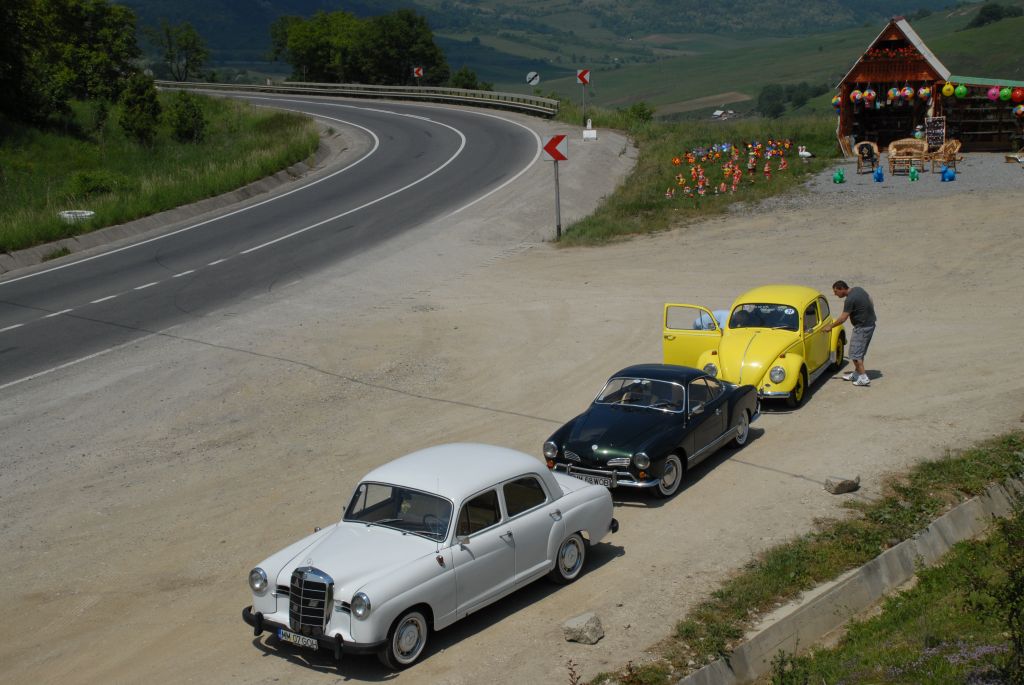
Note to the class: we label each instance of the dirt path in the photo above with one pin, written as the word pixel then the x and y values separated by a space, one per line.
pixel 138 488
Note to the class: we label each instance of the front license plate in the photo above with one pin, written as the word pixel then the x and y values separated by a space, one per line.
pixel 594 480
pixel 300 640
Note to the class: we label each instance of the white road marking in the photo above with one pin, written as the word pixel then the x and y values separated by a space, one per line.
pixel 143 287
pixel 11 328
pixel 103 299
pixel 184 273
pixel 217 261
pixel 63 311
pixel 79 360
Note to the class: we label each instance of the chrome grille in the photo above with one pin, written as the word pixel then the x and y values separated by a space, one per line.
pixel 572 456
pixel 619 461
pixel 283 591
pixel 309 601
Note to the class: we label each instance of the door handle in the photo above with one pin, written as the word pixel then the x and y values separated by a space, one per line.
pixel 556 514
pixel 670 337
pixel 506 536
pixel 718 412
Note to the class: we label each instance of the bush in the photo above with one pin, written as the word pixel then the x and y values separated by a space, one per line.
pixel 140 109
pixel 992 12
pixel 186 118
pixel 85 184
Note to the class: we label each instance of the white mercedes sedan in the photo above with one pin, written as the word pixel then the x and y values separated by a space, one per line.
pixel 426 540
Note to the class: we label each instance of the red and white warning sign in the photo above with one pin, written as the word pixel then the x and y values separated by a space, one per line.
pixel 417 72
pixel 556 149
pixel 583 76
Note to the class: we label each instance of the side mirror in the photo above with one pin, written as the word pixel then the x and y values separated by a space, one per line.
pixel 463 540
pixel 699 409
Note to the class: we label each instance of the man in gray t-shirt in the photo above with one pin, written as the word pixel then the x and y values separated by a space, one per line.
pixel 860 310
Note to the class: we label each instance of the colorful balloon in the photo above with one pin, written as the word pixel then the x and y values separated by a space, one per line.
pixel 869 95
pixel 1019 111
pixel 924 92
pixel 856 96
pixel 894 93
pixel 993 93
pixel 1004 94
pixel 837 102
pixel 960 91
pixel 947 90
pixel 907 93
pixel 1017 95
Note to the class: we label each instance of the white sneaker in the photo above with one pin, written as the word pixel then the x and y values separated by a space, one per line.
pixel 849 376
pixel 862 381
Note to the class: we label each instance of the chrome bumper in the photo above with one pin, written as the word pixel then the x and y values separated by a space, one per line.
pixel 619 479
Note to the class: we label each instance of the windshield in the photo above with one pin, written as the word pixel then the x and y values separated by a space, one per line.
pixel 643 392
pixel 404 509
pixel 761 315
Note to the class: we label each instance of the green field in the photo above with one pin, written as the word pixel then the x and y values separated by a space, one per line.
pixel 81 167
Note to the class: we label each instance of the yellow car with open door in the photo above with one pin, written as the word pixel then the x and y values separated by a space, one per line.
pixel 773 337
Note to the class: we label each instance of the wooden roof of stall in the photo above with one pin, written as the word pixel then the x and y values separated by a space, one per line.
pixel 881 63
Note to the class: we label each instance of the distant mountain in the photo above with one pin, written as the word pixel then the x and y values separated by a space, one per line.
pixel 239 29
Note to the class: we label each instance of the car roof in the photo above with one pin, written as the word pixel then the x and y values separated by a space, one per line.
pixel 661 372
pixel 457 470
pixel 779 294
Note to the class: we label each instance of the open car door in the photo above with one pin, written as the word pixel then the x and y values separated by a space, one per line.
pixel 688 330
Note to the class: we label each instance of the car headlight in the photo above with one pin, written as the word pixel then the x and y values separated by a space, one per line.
pixel 360 605
pixel 711 369
pixel 258 580
pixel 550 449
pixel 641 460
pixel 777 374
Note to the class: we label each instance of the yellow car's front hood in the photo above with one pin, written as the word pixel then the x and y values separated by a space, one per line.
pixel 746 354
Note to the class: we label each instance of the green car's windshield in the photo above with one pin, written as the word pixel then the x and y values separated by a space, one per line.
pixel 404 509
pixel 763 315
pixel 643 392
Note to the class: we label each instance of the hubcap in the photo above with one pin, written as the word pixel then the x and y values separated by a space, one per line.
pixel 668 479
pixel 744 426
pixel 408 637
pixel 570 557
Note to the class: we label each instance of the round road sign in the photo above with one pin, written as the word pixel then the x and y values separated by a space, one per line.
pixel 533 78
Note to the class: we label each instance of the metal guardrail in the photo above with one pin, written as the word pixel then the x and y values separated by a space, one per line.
pixel 482 98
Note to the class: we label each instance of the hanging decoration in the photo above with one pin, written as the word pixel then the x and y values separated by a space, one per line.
pixel 1017 95
pixel 924 93
pixel 993 93
pixel 837 103
pixel 1004 94
pixel 856 96
pixel 894 94
pixel 947 90
pixel 869 96
pixel 960 91
pixel 1019 111
pixel 907 93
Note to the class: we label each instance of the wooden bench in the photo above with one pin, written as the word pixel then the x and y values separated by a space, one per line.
pixel 907 152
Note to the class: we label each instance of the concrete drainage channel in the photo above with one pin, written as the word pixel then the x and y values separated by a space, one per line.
pixel 797 626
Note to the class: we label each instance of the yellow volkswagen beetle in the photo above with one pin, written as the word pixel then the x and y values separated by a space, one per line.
pixel 773 338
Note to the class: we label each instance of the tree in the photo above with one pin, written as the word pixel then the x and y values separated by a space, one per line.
pixel 140 109
pixel 186 118
pixel 184 50
pixel 279 31
pixel 992 12
pixel 319 49
pixel 392 45
pixel 86 48
pixel 772 101
pixel 15 81
pixel 464 78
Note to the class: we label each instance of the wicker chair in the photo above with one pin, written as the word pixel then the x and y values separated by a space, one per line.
pixel 907 152
pixel 868 156
pixel 948 155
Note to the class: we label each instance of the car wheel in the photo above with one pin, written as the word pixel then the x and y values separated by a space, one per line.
pixel 569 559
pixel 840 353
pixel 406 640
pixel 741 424
pixel 796 397
pixel 671 477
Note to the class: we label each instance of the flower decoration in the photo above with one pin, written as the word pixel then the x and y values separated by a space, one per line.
pixel 676 161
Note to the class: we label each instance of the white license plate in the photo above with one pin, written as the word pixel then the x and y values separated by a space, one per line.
pixel 300 640
pixel 594 480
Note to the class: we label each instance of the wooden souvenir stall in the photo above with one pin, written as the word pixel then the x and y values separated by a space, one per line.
pixel 898 85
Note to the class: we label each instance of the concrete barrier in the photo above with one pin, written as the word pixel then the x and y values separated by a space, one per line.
pixel 797 626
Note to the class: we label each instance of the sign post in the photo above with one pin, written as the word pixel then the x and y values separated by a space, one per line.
pixel 935 132
pixel 583 76
pixel 556 149
pixel 417 73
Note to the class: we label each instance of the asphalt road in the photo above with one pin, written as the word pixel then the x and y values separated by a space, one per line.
pixel 422 163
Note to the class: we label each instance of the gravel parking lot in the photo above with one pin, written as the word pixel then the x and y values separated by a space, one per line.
pixel 140 487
